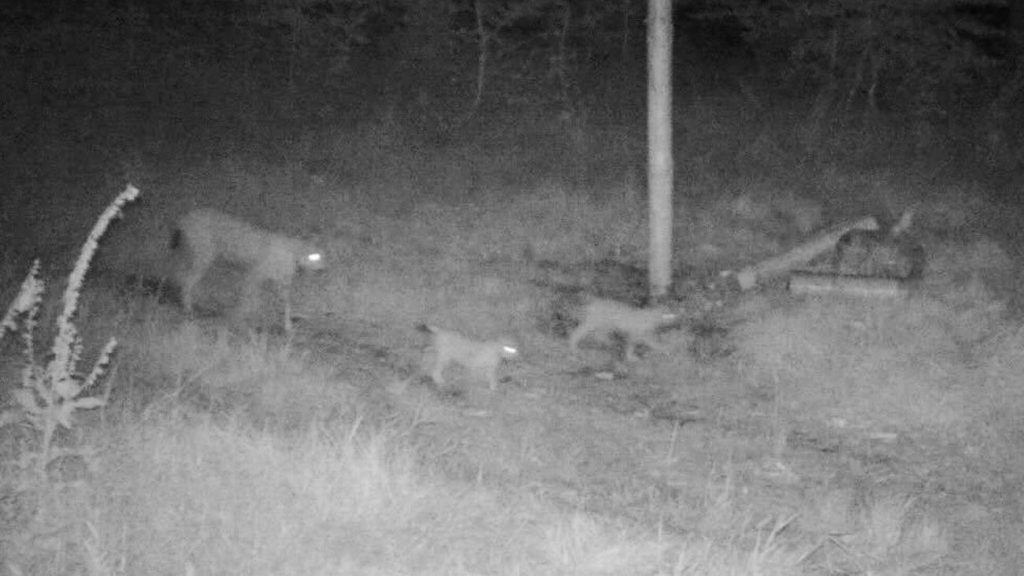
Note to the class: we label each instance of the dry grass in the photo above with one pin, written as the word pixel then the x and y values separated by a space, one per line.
pixel 240 453
pixel 881 366
pixel 234 501
pixel 218 371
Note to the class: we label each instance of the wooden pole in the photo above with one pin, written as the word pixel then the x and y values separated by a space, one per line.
pixel 659 144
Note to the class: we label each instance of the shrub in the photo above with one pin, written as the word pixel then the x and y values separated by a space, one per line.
pixel 53 390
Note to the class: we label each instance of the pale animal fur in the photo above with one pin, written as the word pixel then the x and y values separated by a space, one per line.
pixel 637 325
pixel 479 357
pixel 209 235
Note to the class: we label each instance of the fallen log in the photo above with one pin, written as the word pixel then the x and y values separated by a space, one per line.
pixel 812 284
pixel 801 254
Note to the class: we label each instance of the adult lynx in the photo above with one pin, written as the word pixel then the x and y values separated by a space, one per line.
pixel 209 236
pixel 636 325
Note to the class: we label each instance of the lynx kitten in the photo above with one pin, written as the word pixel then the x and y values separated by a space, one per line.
pixel 209 235
pixel 636 325
pixel 481 358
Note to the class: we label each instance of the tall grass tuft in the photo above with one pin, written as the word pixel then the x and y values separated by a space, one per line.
pixel 52 391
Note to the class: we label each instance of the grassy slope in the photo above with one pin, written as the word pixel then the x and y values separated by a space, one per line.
pixel 837 436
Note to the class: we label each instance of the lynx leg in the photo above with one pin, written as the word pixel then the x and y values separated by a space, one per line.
pixel 250 293
pixel 578 334
pixel 190 279
pixel 284 291
pixel 631 350
pixel 439 365
pixel 631 346
pixel 287 317
pixel 492 376
pixel 633 341
pixel 656 345
pixel 187 285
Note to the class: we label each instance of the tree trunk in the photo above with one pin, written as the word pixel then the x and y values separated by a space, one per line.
pixel 659 143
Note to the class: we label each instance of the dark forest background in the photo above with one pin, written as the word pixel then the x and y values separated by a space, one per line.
pixel 95 93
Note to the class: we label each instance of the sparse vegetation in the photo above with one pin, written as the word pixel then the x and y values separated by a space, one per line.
pixel 51 393
pixel 211 437
pixel 478 166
